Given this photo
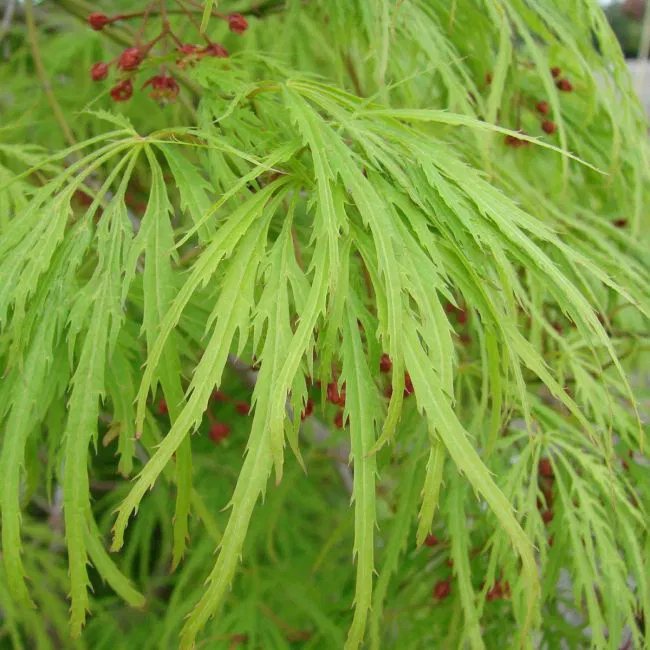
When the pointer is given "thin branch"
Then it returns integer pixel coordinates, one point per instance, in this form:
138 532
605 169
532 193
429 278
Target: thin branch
32 36
7 19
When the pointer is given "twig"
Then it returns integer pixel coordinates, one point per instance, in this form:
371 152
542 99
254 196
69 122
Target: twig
8 16
32 36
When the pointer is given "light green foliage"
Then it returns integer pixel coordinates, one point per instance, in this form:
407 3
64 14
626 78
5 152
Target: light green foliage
344 186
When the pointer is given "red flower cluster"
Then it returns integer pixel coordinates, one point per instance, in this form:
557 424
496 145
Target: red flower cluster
219 432
385 364
162 87
123 91
442 589
237 23
98 21
499 591
334 396
99 71
431 540
130 59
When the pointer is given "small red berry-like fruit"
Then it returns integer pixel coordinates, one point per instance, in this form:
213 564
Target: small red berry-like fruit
461 316
542 107
214 49
548 126
123 91
98 21
308 410
219 396
162 87
385 364
243 408
547 516
442 589
431 540
556 72
130 59
620 223
545 468
334 395
188 48
338 420
564 85
237 23
496 592
219 432
408 385
162 407
99 71
515 142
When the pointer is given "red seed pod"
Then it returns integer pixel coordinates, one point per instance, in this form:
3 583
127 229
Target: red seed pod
408 385
496 592
99 71
188 48
237 23
218 396
545 468
243 408
542 107
162 87
556 72
214 49
385 364
123 91
335 396
619 223
219 432
515 142
442 589
564 85
338 420
431 540
83 198
308 410
98 21
162 407
548 126
547 516
130 59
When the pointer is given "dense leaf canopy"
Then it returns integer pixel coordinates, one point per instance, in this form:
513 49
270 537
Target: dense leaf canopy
426 221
